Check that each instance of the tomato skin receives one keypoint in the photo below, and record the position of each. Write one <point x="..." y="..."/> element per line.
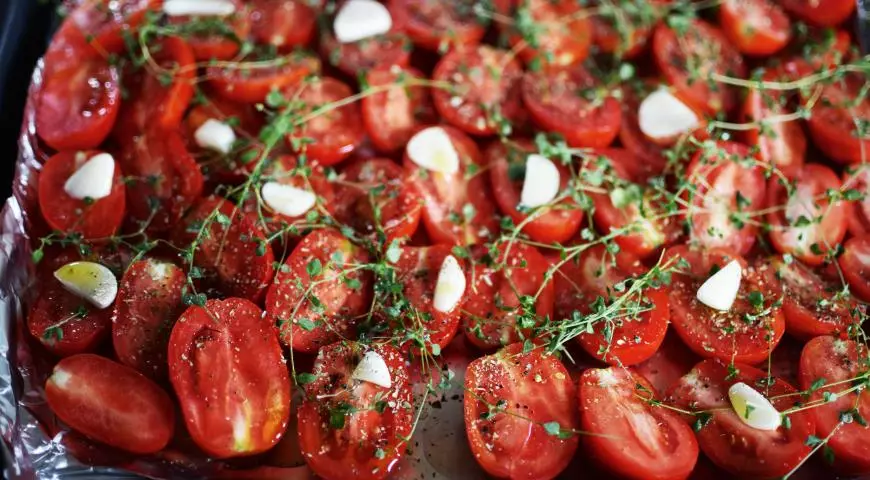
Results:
<point x="824" y="13"/>
<point x="610" y="407"/>
<point x="350" y="451"/>
<point x="93" y="220"/>
<point x="782" y="145"/>
<point x="286" y="301"/>
<point x="755" y="27"/>
<point x="566" y="39"/>
<point x="110" y="403"/>
<point x="446" y="197"/>
<point x="538" y="388"/>
<point x="725" y="439"/>
<point x="855" y="265"/>
<point x="216" y="46"/>
<point x="77" y="335"/>
<point x="251" y="83"/>
<point x="549" y="224"/>
<point x="650" y="156"/>
<point x="226" y="367"/>
<point x="355" y="58"/>
<point x="435" y="24"/>
<point x="832" y="121"/>
<point x="393" y="116"/>
<point x="808" y="243"/>
<point x="670" y="362"/>
<point x="724" y="335"/>
<point x="335" y="134"/>
<point x="555" y="105"/>
<point x="284" y="24"/>
<point x="148" y="303"/>
<point x="492" y="305"/>
<point x="858" y="178"/>
<point x="104" y="21"/>
<point x="835" y="360"/>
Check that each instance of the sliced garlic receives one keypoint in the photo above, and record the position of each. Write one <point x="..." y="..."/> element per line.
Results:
<point x="662" y="116"/>
<point x="214" y="8"/>
<point x="93" y="179"/>
<point x="432" y="149"/>
<point x="215" y="135"/>
<point x="752" y="408"/>
<point x="373" y="369"/>
<point x="90" y="281"/>
<point x="542" y="182"/>
<point x="361" y="19"/>
<point x="720" y="290"/>
<point x="450" y="285"/>
<point x="287" y="200"/>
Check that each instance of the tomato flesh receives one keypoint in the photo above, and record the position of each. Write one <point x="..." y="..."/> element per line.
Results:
<point x="855" y="265"/>
<point x="332" y="135"/>
<point x="65" y="323"/>
<point x="564" y="40"/>
<point x="393" y="116"/>
<point x="755" y="27"/>
<point x="437" y="24"/>
<point x="835" y="119"/>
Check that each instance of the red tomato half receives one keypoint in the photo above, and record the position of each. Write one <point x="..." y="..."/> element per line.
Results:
<point x="731" y="444"/>
<point x="251" y="82"/>
<point x="216" y="43"/>
<point x="748" y="332"/>
<point x="355" y="58"/>
<point x="330" y="136"/>
<point x="689" y="58"/>
<point x="437" y="24"/>
<point x="627" y="434"/>
<point x="488" y="89"/>
<point x="110" y="403"/>
<point x="554" y="222"/>
<point x="65" y="323"/>
<point x="825" y="13"/>
<point x="105" y="22"/>
<point x="781" y="145"/>
<point x="725" y="196"/>
<point x="836" y="121"/>
<point x="492" y="309"/>
<point x="858" y="179"/>
<point x="807" y="224"/>
<point x="148" y="303"/>
<point x="393" y="115"/>
<point x="670" y="362"/>
<point x="855" y="264"/>
<point x="227" y="369"/>
<point x="564" y="33"/>
<point x="650" y="157"/>
<point x="349" y="428"/>
<point x="93" y="219"/>
<point x="282" y="23"/>
<point x="571" y="103"/>
<point x="624" y="340"/>
<point x="755" y="27"/>
<point x="319" y="295"/>
<point x="624" y="32"/>
<point x="77" y="106"/>
<point x="830" y="361"/>
<point x="457" y="208"/>
<point x="509" y="398"/>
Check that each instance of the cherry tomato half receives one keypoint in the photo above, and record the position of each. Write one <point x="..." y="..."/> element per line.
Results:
<point x="383" y="51"/>
<point x="437" y="24"/>
<point x="284" y="24"/>
<point x="858" y="180"/>
<point x="855" y="264"/>
<point x="836" y="119"/>
<point x="825" y="13"/>
<point x="251" y="82"/>
<point x="215" y="43"/>
<point x="781" y="145"/>
<point x="755" y="27"/>
<point x="105" y="22"/>
<point x="391" y="117"/>
<point x="564" y="33"/>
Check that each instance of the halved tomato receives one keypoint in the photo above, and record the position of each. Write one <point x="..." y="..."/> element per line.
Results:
<point x="562" y="30"/>
<point x="747" y="332"/>
<point x="215" y="42"/>
<point x="393" y="115"/>
<point x="554" y="222"/>
<point x="627" y="434"/>
<point x="624" y="30"/>
<point x="494" y="313"/>
<point x="105" y="22"/>
<point x="228" y="371"/>
<point x="391" y="49"/>
<point x="149" y="301"/>
<point x="650" y="157"/>
<point x="251" y="81"/>
<point x="65" y="323"/>
<point x="438" y="24"/>
<point x="487" y="92"/>
<point x="521" y="414"/>
<point x="670" y="362"/>
<point x="572" y="103"/>
<point x="110" y="403"/>
<point x="321" y="292"/>
<point x="350" y="428"/>
<point x="457" y="208"/>
<point x="781" y="145"/>
<point x="805" y="222"/>
<point x="92" y="219"/>
<point x="838" y="121"/>
<point x="829" y="366"/>
<point x="284" y="24"/>
<point x="755" y="27"/>
<point x="731" y="444"/>
<point x="855" y="264"/>
<point x="858" y="179"/>
<point x="825" y="13"/>
<point x="593" y="278"/>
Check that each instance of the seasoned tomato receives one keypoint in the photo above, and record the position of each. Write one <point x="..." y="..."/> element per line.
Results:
<point x="77" y="106"/>
<point x="513" y="399"/>
<point x="350" y="428"/>
<point x="251" y="82"/>
<point x="329" y="136"/>
<point x="355" y="58"/>
<point x="836" y="122"/>
<point x="493" y="314"/>
<point x="828" y="368"/>
<point x="105" y="22"/>
<point x="627" y="433"/>
<point x="747" y="332"/>
<point x="781" y="145"/>
<point x="285" y="24"/>
<point x="564" y="33"/>
<point x="858" y="179"/>
<point x="557" y="221"/>
<point x="812" y="305"/>
<point x="726" y="194"/>
<point x="643" y="224"/>
<point x="93" y="219"/>
<point x="230" y="252"/>
<point x="320" y="294"/>
<point x="457" y="208"/>
<point x="755" y="27"/>
<point x="570" y="102"/>
<point x="855" y="264"/>
<point x="688" y="58"/>
<point x="671" y="361"/>
<point x="374" y="197"/>
<point x="438" y="24"/>
<point x="825" y="13"/>
<point x="110" y="403"/>
<point x="397" y="111"/>
<point x="489" y="90"/>
<point x="228" y="371"/>
<point x="65" y="323"/>
<point x="148" y="303"/>
<point x="725" y="439"/>
<point x="624" y="32"/>
<point x="216" y="43"/>
<point x="618" y="339"/>
<point x="807" y="223"/>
